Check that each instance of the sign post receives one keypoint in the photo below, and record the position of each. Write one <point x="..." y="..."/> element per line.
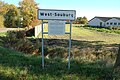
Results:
<point x="42" y="46"/>
<point x="69" y="45"/>
<point x="56" y="27"/>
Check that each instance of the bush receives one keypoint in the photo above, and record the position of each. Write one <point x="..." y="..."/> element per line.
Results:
<point x="17" y="40"/>
<point x="110" y="27"/>
<point x="117" y="31"/>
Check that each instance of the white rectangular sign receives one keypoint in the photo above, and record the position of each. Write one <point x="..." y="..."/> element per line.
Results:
<point x="56" y="27"/>
<point x="48" y="14"/>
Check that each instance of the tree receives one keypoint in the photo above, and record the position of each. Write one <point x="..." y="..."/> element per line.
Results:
<point x="3" y="10"/>
<point x="84" y="20"/>
<point x="1" y="21"/>
<point x="12" y="17"/>
<point x="9" y="15"/>
<point x="28" y="9"/>
<point x="81" y="20"/>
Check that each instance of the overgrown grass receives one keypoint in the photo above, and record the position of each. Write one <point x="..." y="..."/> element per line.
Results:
<point x="18" y="66"/>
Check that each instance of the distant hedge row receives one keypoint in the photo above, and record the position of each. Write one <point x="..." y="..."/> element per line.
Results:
<point x="107" y="30"/>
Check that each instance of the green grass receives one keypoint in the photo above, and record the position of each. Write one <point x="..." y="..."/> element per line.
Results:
<point x="3" y="34"/>
<point x="90" y="35"/>
<point x="81" y="33"/>
<point x="18" y="66"/>
<point x="93" y="55"/>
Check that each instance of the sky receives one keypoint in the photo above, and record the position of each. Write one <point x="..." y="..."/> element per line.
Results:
<point x="88" y="8"/>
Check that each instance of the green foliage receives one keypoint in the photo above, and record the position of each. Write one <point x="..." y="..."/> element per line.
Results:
<point x="81" y="20"/>
<point x="106" y="30"/>
<point x="84" y="20"/>
<point x="12" y="17"/>
<point x="28" y="10"/>
<point x="17" y="40"/>
<point x="110" y="27"/>
<point x="2" y="34"/>
<point x="91" y="57"/>
<point x="18" y="66"/>
<point x="1" y="21"/>
<point x="4" y="8"/>
<point x="9" y="15"/>
<point x="117" y="31"/>
<point x="55" y="52"/>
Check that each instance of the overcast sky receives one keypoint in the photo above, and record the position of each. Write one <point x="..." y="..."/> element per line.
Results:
<point x="88" y="8"/>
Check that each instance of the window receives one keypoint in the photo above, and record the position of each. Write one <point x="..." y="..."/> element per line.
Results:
<point x="107" y="23"/>
<point x="115" y="23"/>
<point x="111" y="23"/>
<point x="118" y="23"/>
<point x="100" y="24"/>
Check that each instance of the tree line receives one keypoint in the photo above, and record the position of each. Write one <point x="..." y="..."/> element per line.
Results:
<point x="25" y="15"/>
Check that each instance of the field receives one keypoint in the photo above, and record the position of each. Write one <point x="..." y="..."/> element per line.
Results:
<point x="92" y="58"/>
<point x="80" y="33"/>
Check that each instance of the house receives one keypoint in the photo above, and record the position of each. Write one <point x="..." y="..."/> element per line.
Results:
<point x="105" y="21"/>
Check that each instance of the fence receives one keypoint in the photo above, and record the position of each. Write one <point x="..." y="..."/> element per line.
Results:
<point x="8" y="29"/>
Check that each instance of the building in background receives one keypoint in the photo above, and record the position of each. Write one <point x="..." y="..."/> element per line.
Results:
<point x="105" y="22"/>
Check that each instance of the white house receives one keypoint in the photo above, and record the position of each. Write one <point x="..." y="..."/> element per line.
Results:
<point x="105" y="21"/>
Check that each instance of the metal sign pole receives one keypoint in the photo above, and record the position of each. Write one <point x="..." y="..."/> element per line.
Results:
<point x="42" y="46"/>
<point x="69" y="45"/>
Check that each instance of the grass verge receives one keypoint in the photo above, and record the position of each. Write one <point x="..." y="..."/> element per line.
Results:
<point x="18" y="66"/>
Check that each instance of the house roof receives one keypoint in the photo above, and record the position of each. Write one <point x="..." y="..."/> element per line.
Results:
<point x="104" y="19"/>
<point x="117" y="18"/>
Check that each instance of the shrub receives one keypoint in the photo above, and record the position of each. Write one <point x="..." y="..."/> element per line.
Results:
<point x="110" y="27"/>
<point x="55" y="52"/>
<point x="117" y="31"/>
<point x="17" y="40"/>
